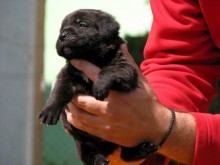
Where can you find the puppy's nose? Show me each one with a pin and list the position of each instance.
(63, 35)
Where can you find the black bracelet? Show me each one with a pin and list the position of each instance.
(170, 128)
(149, 148)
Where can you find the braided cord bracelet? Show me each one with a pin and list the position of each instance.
(149, 147)
(170, 128)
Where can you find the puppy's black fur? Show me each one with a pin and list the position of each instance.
(91, 35)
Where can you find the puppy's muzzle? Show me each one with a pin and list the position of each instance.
(66, 35)
(63, 35)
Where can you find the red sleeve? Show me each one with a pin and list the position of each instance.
(182, 64)
(209, 11)
(182, 60)
(207, 149)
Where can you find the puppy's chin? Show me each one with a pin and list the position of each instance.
(65, 52)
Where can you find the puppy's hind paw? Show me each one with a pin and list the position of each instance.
(101, 160)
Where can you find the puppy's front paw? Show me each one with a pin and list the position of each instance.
(49, 115)
(100, 92)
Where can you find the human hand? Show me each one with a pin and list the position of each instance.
(127, 119)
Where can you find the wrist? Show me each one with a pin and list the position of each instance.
(162, 122)
(180, 144)
(150, 146)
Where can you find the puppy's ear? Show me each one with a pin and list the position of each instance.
(108, 27)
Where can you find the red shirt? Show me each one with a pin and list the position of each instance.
(182, 64)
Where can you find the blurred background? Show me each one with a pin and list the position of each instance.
(29, 65)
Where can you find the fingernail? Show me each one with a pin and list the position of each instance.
(67, 110)
(80, 98)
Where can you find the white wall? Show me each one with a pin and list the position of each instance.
(18, 80)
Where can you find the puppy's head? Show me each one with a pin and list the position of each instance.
(85, 30)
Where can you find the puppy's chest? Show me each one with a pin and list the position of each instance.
(78, 77)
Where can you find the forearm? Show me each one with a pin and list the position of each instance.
(194, 137)
(181, 142)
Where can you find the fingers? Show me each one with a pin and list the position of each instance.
(87, 111)
(78, 122)
(91, 105)
(87, 122)
(89, 69)
(78, 117)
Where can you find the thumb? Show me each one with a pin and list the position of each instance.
(89, 69)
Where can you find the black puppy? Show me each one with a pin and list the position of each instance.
(91, 35)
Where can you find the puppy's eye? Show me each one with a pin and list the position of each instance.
(83, 24)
